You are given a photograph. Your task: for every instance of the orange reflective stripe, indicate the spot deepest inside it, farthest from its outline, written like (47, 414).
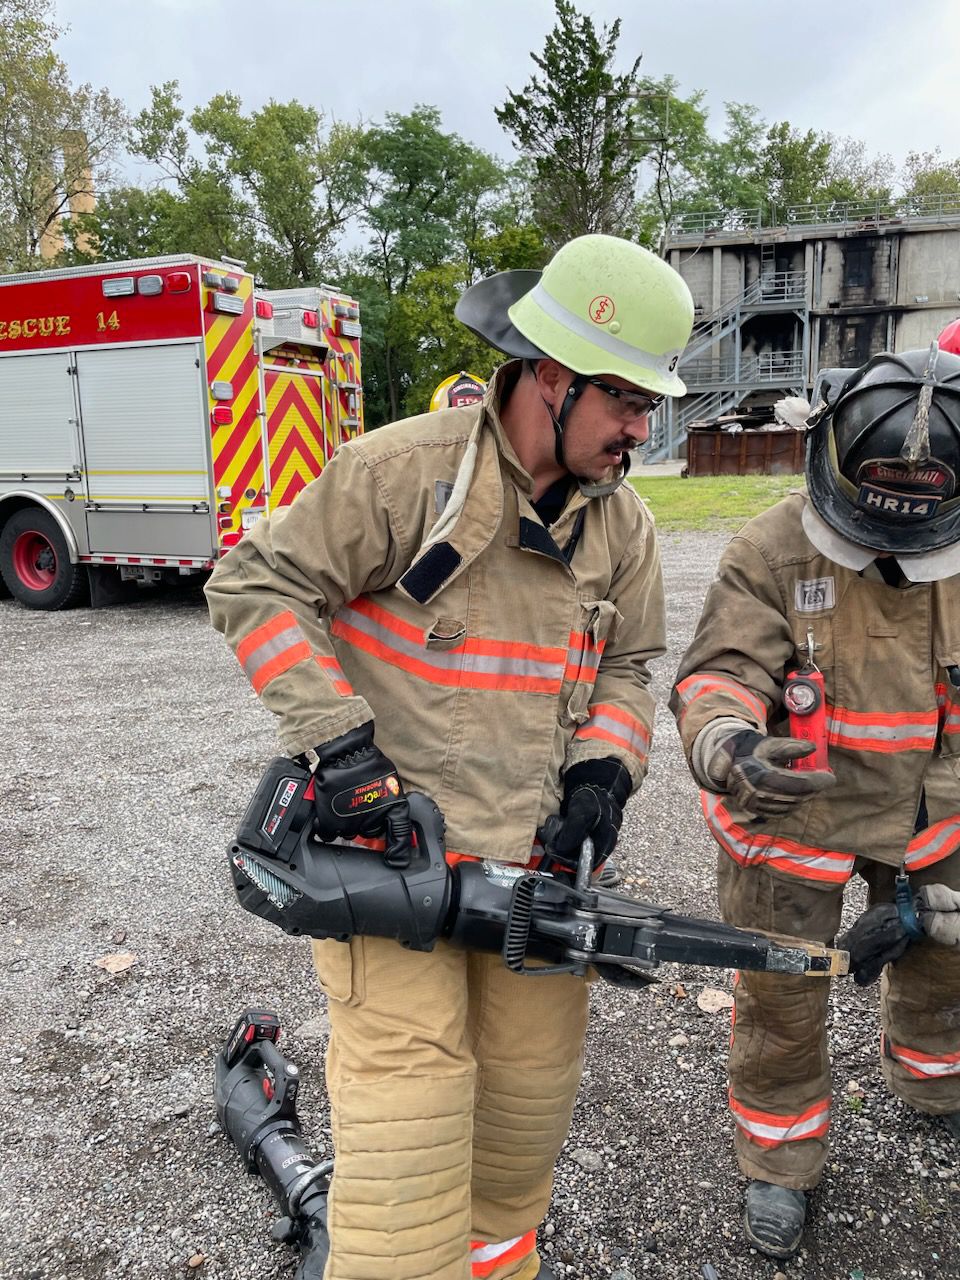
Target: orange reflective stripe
(756, 848)
(948, 701)
(271, 649)
(612, 724)
(770, 1129)
(886, 732)
(583, 657)
(933, 844)
(701, 684)
(487, 1258)
(501, 665)
(924, 1066)
(333, 669)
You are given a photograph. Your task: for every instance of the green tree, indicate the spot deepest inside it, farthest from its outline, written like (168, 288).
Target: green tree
(794, 166)
(573, 122)
(439, 343)
(671, 135)
(299, 179)
(854, 175)
(930, 173)
(275, 187)
(730, 172)
(57, 141)
(192, 207)
(429, 200)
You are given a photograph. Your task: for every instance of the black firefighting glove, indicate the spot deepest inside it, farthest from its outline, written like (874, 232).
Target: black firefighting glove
(875, 939)
(882, 934)
(757, 777)
(594, 793)
(357, 793)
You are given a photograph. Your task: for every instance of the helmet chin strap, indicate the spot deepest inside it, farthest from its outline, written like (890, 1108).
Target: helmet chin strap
(573, 393)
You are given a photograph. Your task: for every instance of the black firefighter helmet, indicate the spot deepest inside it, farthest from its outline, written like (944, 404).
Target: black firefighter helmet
(883, 459)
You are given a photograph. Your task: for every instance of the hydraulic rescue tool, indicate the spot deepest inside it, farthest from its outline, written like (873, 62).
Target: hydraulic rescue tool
(539, 922)
(255, 1090)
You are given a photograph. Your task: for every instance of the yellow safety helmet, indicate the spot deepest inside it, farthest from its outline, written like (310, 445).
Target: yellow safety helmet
(601, 305)
(459, 389)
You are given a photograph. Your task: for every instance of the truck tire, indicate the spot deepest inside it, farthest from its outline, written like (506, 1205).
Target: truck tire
(35, 562)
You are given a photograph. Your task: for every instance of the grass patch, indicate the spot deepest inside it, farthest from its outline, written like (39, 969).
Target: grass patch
(710, 503)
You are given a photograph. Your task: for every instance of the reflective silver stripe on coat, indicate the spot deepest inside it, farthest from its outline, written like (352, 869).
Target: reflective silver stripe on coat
(697, 686)
(636, 739)
(839, 728)
(931, 847)
(601, 338)
(584, 657)
(838, 866)
(463, 660)
(272, 648)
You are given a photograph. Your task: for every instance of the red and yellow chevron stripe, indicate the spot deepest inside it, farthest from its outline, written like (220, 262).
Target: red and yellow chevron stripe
(299, 435)
(236, 447)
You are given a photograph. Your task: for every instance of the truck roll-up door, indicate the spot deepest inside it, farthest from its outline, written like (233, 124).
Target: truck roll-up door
(144, 425)
(38, 429)
(146, 440)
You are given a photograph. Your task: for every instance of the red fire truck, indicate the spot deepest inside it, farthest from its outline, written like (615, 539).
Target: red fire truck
(152, 411)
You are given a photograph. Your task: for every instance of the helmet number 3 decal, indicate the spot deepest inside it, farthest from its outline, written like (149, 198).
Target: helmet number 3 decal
(602, 309)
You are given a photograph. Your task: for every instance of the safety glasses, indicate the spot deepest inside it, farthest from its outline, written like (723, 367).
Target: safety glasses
(630, 404)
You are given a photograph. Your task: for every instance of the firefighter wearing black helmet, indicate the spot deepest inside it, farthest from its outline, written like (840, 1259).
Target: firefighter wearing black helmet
(857, 583)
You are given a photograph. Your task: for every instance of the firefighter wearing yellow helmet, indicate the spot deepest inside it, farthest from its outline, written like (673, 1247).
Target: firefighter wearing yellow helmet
(478, 589)
(457, 390)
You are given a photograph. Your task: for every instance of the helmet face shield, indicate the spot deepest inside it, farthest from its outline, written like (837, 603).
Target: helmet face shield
(883, 461)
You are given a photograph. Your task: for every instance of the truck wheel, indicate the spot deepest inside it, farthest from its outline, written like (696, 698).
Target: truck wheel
(35, 562)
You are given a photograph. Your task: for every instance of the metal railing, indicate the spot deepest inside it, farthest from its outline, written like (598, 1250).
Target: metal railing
(668, 429)
(772, 289)
(774, 286)
(768, 368)
(713, 221)
(835, 212)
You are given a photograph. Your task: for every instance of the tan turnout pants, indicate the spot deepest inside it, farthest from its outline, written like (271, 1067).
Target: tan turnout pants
(451, 1084)
(779, 1065)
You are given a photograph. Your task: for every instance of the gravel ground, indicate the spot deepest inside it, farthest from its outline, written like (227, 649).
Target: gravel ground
(131, 742)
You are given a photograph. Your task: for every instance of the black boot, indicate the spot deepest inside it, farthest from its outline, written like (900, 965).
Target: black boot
(952, 1121)
(545, 1273)
(774, 1218)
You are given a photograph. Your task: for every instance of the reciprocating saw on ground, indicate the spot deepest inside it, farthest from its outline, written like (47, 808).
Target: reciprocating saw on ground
(540, 923)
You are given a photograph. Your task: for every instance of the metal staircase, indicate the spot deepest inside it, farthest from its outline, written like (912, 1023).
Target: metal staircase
(719, 383)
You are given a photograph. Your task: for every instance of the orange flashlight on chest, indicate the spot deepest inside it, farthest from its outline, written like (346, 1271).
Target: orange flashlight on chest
(806, 703)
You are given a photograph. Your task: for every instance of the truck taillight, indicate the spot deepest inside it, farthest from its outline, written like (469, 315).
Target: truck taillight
(311, 320)
(349, 328)
(224, 522)
(150, 286)
(231, 539)
(264, 309)
(178, 282)
(221, 415)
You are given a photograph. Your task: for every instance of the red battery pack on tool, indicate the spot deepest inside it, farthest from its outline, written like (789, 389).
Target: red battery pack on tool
(804, 698)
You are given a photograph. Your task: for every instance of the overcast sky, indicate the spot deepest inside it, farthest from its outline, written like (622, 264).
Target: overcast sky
(885, 72)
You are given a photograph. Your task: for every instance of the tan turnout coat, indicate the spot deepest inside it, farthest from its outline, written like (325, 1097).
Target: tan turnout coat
(893, 712)
(413, 584)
